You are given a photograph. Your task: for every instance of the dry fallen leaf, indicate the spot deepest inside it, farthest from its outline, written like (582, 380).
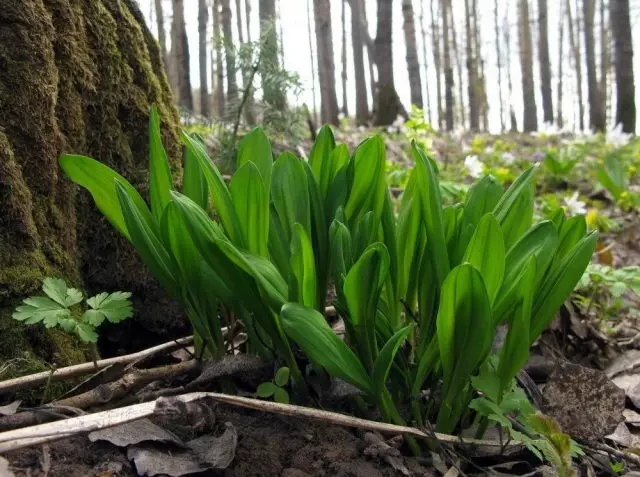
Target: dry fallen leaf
(10, 409)
(4, 468)
(135, 432)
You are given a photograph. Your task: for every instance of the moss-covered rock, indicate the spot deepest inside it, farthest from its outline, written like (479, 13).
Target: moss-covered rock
(75, 76)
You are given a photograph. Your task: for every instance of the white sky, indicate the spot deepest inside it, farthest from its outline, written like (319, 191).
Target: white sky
(298, 58)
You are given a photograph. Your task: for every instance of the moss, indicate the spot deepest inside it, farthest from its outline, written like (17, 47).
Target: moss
(74, 77)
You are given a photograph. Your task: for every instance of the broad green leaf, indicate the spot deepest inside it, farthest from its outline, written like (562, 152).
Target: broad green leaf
(486, 253)
(519, 217)
(482, 198)
(56, 289)
(369, 180)
(255, 147)
(100, 181)
(266, 390)
(320, 152)
(304, 270)
(331, 167)
(86, 332)
(365, 232)
(612, 175)
(509, 199)
(115, 307)
(39, 308)
(289, 193)
(560, 282)
(282, 376)
(341, 251)
(310, 330)
(160, 183)
(409, 229)
(194, 184)
(252, 210)
(279, 243)
(571, 232)
(146, 240)
(385, 359)
(220, 194)
(281, 396)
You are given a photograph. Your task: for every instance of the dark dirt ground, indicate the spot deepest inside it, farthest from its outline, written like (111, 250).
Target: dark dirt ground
(268, 446)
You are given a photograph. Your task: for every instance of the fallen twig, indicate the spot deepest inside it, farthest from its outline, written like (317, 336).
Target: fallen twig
(20, 438)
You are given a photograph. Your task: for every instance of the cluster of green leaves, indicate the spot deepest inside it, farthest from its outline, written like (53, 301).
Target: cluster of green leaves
(62, 307)
(603, 287)
(277, 387)
(560, 162)
(421, 292)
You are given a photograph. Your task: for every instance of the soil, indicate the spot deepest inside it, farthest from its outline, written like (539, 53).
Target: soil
(268, 445)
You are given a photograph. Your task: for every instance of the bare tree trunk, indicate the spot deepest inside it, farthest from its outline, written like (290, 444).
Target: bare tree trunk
(313, 65)
(481, 94)
(448, 71)
(247, 18)
(423, 33)
(388, 105)
(218, 87)
(162, 36)
(456, 52)
(560, 119)
(435, 41)
(203, 19)
(371, 52)
(605, 60)
(513, 122)
(413, 64)
(280, 34)
(530, 119)
(230, 56)
(180, 56)
(574, 40)
(239, 21)
(623, 63)
(499, 65)
(474, 118)
(326, 67)
(269, 54)
(545, 62)
(343, 75)
(357, 44)
(596, 117)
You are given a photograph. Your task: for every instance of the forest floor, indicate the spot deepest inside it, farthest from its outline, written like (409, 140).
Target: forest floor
(584, 371)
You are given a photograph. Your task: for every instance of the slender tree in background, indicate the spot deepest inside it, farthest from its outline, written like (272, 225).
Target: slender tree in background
(239, 21)
(448, 70)
(596, 114)
(269, 54)
(413, 64)
(559, 115)
(218, 88)
(343, 74)
(513, 122)
(574, 41)
(499, 63)
(605, 60)
(326, 67)
(371, 52)
(180, 57)
(388, 105)
(280, 33)
(474, 118)
(230, 56)
(530, 119)
(481, 94)
(623, 64)
(456, 53)
(203, 19)
(162, 36)
(423, 34)
(247, 17)
(545, 62)
(313, 65)
(435, 42)
(357, 45)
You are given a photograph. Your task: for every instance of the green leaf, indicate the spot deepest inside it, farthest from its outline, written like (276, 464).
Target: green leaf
(100, 181)
(289, 192)
(282, 376)
(482, 197)
(115, 307)
(369, 180)
(255, 147)
(409, 233)
(194, 184)
(160, 183)
(571, 232)
(518, 218)
(331, 168)
(266, 390)
(86, 332)
(304, 270)
(320, 152)
(56, 289)
(252, 210)
(385, 359)
(510, 198)
(486, 253)
(281, 396)
(341, 251)
(310, 330)
(39, 308)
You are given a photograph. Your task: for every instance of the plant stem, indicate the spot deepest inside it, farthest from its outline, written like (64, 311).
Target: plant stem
(245, 97)
(94, 354)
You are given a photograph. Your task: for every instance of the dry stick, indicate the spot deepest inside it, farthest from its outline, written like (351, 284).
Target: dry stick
(39, 434)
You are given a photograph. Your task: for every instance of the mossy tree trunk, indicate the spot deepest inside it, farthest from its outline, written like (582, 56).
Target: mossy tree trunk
(75, 76)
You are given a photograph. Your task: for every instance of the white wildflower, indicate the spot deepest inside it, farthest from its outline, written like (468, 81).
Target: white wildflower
(508, 158)
(574, 205)
(474, 166)
(617, 138)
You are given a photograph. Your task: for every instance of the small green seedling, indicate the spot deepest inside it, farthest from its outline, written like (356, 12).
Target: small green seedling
(62, 307)
(276, 388)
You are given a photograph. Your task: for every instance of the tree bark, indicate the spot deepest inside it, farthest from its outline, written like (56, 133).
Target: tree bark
(474, 118)
(94, 100)
(481, 94)
(162, 35)
(343, 75)
(530, 119)
(218, 88)
(423, 33)
(574, 40)
(559, 115)
(230, 57)
(247, 17)
(203, 19)
(413, 65)
(456, 53)
(448, 70)
(180, 54)
(326, 67)
(357, 45)
(545, 62)
(596, 116)
(623, 64)
(435, 41)
(269, 44)
(371, 53)
(388, 105)
(499, 64)
(239, 21)
(513, 122)
(313, 64)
